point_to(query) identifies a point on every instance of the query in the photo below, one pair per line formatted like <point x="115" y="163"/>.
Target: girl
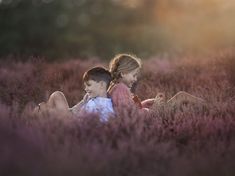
<point x="124" y="69"/>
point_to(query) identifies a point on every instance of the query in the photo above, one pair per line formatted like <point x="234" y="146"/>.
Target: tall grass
<point x="185" y="141"/>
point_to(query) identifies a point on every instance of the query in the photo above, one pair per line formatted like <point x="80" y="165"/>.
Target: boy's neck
<point x="103" y="94"/>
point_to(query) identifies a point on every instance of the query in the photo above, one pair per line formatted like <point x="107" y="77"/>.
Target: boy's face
<point x="95" y="89"/>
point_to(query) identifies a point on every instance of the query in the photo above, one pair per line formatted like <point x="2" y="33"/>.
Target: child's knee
<point x="57" y="95"/>
<point x="180" y="93"/>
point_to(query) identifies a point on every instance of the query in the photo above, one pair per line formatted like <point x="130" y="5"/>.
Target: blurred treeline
<point x="78" y="28"/>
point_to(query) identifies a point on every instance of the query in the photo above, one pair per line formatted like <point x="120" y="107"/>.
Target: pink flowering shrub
<point x="184" y="141"/>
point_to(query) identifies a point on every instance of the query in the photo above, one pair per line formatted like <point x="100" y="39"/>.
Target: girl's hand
<point x="159" y="102"/>
<point x="148" y="103"/>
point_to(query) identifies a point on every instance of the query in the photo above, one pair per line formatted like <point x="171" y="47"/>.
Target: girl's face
<point x="130" y="78"/>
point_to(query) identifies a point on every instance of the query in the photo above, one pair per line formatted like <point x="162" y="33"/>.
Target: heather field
<point x="185" y="141"/>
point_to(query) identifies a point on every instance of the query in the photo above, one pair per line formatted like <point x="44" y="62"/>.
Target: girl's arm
<point x="147" y="103"/>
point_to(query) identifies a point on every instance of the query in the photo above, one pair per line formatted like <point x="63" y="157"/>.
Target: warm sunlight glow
<point x="131" y="3"/>
<point x="198" y="24"/>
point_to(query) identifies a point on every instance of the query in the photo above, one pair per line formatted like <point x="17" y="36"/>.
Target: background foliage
<point x="60" y="28"/>
<point x="83" y="28"/>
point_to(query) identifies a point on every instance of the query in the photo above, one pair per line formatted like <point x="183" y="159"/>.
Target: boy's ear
<point x="103" y="83"/>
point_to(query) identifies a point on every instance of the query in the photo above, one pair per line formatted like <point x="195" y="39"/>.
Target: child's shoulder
<point x="120" y="86"/>
<point x="101" y="102"/>
<point x="119" y="90"/>
<point x="102" y="99"/>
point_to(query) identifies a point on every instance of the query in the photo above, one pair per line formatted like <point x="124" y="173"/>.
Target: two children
<point x="124" y="70"/>
<point x="96" y="82"/>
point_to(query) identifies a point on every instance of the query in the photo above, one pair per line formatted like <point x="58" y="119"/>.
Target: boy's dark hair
<point x="97" y="74"/>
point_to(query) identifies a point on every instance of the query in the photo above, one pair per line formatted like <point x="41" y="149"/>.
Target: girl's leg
<point x="184" y="97"/>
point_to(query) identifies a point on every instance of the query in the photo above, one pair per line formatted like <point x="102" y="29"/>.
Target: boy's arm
<point x="76" y="108"/>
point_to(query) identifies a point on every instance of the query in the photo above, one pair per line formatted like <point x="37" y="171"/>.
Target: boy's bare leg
<point x="184" y="97"/>
<point x="58" y="101"/>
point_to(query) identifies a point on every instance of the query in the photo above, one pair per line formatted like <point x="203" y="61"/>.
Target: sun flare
<point x="199" y="23"/>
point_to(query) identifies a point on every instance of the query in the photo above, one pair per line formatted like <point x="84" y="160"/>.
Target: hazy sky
<point x="198" y="23"/>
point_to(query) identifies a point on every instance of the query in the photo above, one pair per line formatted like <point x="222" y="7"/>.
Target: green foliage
<point x="77" y="28"/>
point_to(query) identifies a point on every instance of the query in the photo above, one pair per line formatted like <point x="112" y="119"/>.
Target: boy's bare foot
<point x="40" y="109"/>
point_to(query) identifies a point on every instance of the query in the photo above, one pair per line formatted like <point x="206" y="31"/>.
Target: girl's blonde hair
<point x="123" y="63"/>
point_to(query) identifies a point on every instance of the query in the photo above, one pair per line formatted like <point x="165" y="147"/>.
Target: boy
<point x="96" y="82"/>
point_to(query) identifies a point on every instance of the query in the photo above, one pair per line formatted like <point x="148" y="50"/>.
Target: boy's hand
<point x="86" y="98"/>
